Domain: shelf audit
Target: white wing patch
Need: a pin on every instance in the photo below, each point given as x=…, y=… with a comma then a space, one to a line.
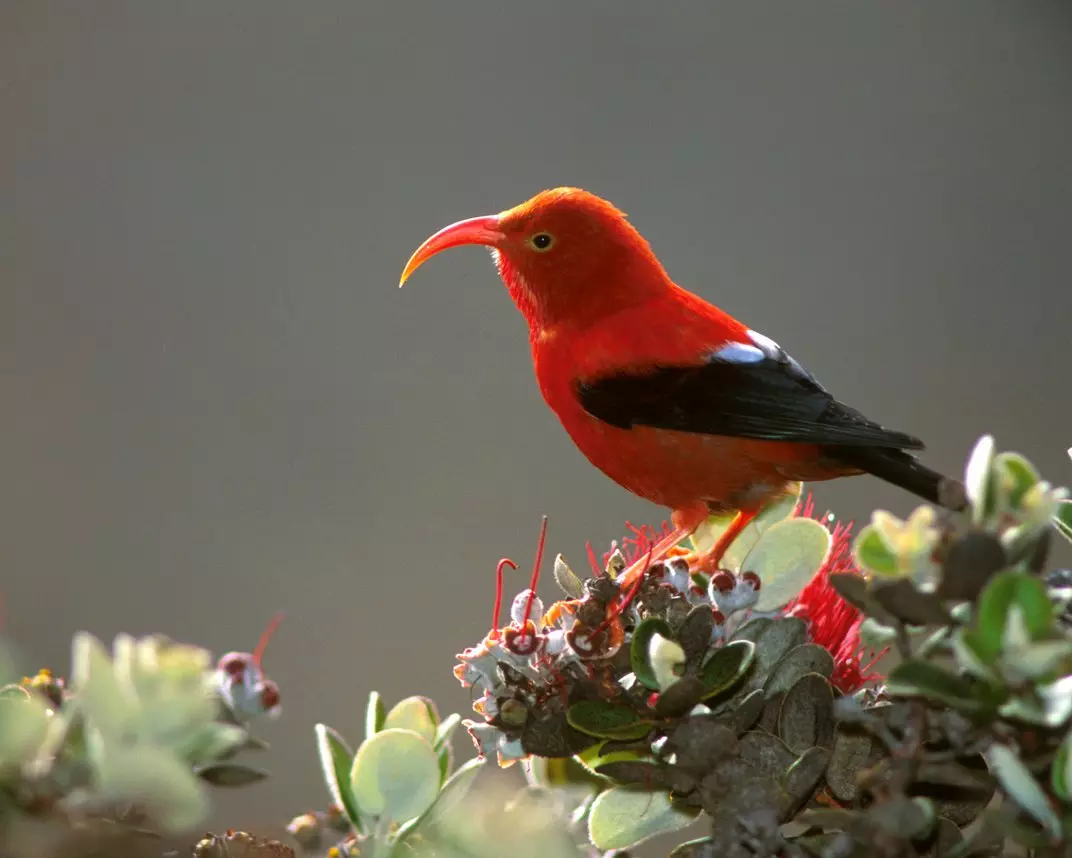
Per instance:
x=766, y=345
x=739, y=353
x=770, y=349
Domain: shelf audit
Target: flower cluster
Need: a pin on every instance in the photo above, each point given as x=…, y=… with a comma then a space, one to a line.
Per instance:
x=529, y=672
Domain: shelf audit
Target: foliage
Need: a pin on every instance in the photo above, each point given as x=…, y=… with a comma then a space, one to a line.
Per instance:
x=745, y=705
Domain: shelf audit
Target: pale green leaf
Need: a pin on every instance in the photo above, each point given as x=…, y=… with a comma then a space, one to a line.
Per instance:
x=622, y=817
x=24, y=723
x=1001, y=593
x=1015, y=477
x=446, y=729
x=786, y=557
x=872, y=552
x=979, y=479
x=336, y=758
x=450, y=797
x=1021, y=786
x=414, y=713
x=707, y=534
x=1061, y=771
x=565, y=577
x=639, y=657
x=154, y=779
x=395, y=774
x=667, y=659
x=1062, y=519
x=215, y=741
x=375, y=714
x=106, y=702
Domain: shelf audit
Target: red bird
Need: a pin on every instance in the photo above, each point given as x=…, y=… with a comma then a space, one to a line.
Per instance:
x=669, y=396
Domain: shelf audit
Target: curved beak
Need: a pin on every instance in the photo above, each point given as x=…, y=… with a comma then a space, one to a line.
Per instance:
x=475, y=230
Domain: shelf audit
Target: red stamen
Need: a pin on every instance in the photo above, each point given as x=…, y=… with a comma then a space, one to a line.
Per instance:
x=266, y=636
x=592, y=559
x=535, y=571
x=506, y=561
x=655, y=552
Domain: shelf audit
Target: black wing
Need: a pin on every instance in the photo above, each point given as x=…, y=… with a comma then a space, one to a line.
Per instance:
x=748, y=391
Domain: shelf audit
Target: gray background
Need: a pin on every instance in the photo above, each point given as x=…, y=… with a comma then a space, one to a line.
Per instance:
x=217, y=402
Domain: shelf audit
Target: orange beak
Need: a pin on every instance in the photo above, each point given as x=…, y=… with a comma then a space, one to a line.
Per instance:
x=475, y=230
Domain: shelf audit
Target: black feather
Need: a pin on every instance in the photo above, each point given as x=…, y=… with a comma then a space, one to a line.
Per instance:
x=767, y=396
x=773, y=399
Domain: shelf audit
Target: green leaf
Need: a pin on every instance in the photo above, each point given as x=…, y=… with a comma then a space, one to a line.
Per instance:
x=414, y=713
x=1005, y=590
x=786, y=558
x=621, y=817
x=607, y=720
x=979, y=482
x=593, y=757
x=442, y=744
x=1016, y=476
x=873, y=553
x=395, y=774
x=1062, y=519
x=922, y=679
x=707, y=534
x=446, y=729
x=728, y=665
x=570, y=773
x=230, y=774
x=701, y=847
x=1021, y=786
x=445, y=755
x=336, y=758
x=969, y=653
x=874, y=634
x=638, y=650
x=375, y=714
x=217, y=741
x=1061, y=771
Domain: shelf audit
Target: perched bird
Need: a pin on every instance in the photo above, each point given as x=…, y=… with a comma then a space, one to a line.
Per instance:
x=673, y=399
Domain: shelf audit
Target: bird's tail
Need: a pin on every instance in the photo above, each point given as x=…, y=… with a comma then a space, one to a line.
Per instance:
x=905, y=471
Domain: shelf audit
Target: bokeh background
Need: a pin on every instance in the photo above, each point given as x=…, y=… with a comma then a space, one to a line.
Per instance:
x=217, y=403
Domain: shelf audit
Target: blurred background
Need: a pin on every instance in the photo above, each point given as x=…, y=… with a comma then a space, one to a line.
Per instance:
x=218, y=404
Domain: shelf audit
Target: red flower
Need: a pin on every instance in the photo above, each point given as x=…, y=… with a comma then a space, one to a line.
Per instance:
x=832, y=622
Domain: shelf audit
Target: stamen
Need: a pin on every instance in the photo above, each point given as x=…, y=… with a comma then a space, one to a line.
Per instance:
x=535, y=571
x=592, y=559
x=266, y=636
x=506, y=561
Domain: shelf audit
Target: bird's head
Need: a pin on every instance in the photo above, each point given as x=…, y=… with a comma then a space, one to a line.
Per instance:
x=565, y=255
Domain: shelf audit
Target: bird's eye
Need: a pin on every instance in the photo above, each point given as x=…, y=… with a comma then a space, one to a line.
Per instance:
x=542, y=241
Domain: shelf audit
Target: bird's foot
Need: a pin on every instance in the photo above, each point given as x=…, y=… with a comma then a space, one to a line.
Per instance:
x=709, y=562
x=665, y=547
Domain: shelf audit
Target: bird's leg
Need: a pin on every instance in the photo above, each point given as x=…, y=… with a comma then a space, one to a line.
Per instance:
x=685, y=522
x=708, y=562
